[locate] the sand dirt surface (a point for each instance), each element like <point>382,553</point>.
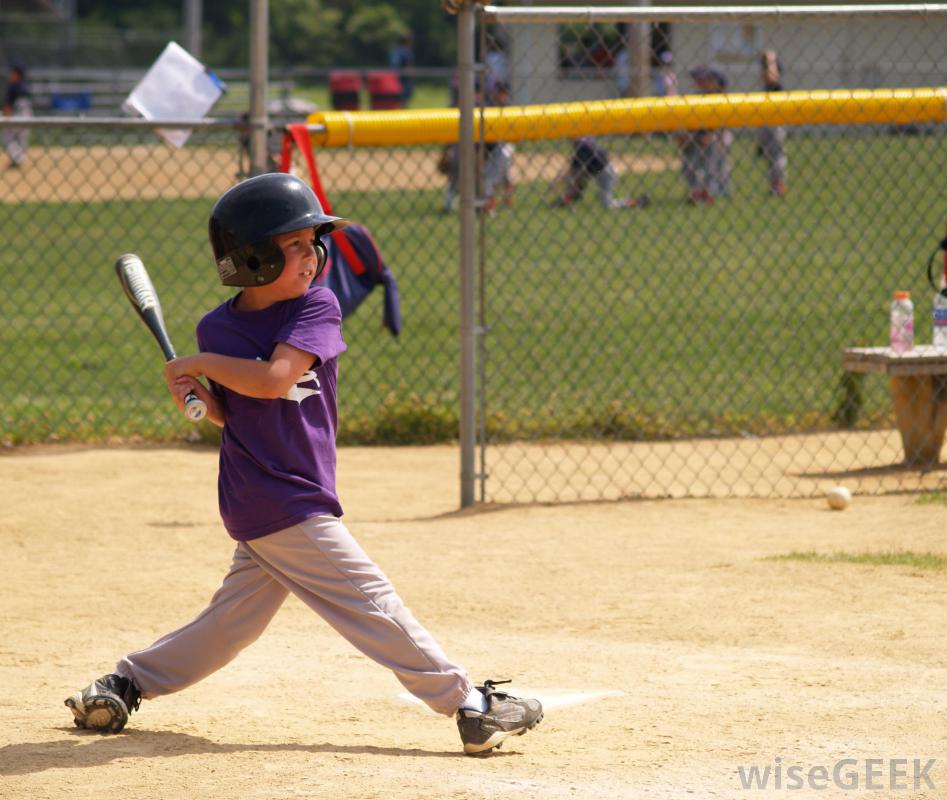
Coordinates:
<point>696,655</point>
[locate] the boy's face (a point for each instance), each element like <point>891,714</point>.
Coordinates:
<point>299,252</point>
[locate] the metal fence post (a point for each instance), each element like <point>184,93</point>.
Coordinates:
<point>193,14</point>
<point>468,214</point>
<point>640,47</point>
<point>259,75</point>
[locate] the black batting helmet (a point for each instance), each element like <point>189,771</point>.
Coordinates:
<point>247,216</point>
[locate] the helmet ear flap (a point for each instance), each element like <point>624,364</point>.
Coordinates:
<point>251,265</point>
<point>322,256</point>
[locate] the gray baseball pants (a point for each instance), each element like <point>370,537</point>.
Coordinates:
<point>16,140</point>
<point>706,163</point>
<point>772,141</point>
<point>321,563</point>
<point>578,178</point>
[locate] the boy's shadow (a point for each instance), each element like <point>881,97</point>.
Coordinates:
<point>79,749</point>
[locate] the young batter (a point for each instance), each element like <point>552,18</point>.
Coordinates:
<point>270,355</point>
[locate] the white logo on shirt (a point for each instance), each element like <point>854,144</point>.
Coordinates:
<point>299,392</point>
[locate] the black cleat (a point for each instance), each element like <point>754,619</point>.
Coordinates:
<point>104,705</point>
<point>505,716</point>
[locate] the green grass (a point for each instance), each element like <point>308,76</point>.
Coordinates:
<point>697,321</point>
<point>932,499</point>
<point>669,322</point>
<point>900,558</point>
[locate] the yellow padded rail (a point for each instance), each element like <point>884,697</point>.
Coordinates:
<point>647,115</point>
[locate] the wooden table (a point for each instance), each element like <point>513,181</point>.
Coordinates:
<point>918,392</point>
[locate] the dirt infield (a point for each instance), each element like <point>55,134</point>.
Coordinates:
<point>867,462</point>
<point>147,172</point>
<point>707,658</point>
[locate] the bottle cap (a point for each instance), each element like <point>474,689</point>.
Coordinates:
<point>902,295</point>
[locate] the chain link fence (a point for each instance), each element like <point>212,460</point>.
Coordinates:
<point>79,366</point>
<point>667,313</point>
<point>660,314</point>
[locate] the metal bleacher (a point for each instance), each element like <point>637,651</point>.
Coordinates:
<point>59,91</point>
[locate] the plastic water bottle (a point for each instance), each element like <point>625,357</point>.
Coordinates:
<point>940,321</point>
<point>902,322</point>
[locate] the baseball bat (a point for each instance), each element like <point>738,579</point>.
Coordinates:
<point>144,299</point>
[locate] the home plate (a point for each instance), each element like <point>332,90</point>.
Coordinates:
<point>550,698</point>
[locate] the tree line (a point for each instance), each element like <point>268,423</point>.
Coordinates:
<point>303,33</point>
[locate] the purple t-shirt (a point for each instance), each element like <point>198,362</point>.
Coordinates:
<point>277,457</point>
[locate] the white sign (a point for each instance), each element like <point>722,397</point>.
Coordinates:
<point>177,86</point>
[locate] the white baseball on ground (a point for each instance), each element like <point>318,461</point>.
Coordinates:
<point>838,498</point>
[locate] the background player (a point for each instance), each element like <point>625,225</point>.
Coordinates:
<point>772,140</point>
<point>498,169</point>
<point>705,153</point>
<point>17,102</point>
<point>270,355</point>
<point>589,160</point>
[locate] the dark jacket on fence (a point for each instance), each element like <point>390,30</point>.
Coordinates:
<point>354,268</point>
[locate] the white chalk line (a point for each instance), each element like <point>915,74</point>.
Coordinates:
<point>550,698</point>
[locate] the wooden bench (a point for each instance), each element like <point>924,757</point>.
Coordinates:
<point>918,393</point>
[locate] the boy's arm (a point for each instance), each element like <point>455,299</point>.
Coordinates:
<point>266,380</point>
